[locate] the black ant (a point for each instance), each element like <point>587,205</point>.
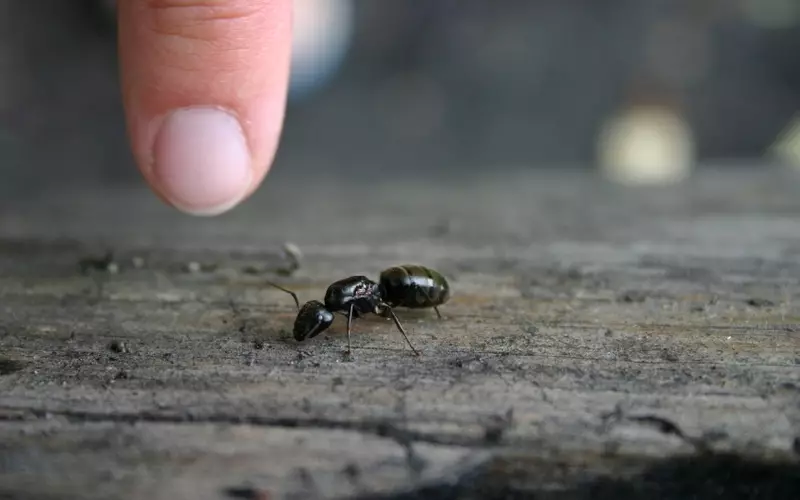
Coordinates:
<point>410,286</point>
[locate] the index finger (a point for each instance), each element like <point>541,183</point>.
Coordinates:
<point>204,86</point>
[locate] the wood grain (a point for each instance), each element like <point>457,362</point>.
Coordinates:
<point>594,332</point>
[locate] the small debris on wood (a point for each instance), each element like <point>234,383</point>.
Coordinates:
<point>336,382</point>
<point>760,302</point>
<point>105,263</point>
<point>248,493</point>
<point>474,364</point>
<point>258,344</point>
<point>293,255</point>
<point>9,366</point>
<point>633,297</point>
<point>122,375</point>
<point>138,262</point>
<point>119,346</point>
<point>530,329</point>
<point>253,270</point>
<point>669,355</point>
<point>193,267</point>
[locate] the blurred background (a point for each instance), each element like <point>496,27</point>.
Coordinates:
<point>640,90</point>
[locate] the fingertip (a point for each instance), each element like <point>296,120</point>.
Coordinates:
<point>202,161</point>
<point>204,89</point>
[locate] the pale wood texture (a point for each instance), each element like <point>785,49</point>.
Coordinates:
<point>582,313</point>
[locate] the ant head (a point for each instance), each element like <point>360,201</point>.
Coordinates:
<point>312,320</point>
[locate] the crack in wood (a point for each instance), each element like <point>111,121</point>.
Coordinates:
<point>381,428</point>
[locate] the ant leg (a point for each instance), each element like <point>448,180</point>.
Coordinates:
<point>294,295</point>
<point>435,308</point>
<point>349,322</point>
<point>399,327</point>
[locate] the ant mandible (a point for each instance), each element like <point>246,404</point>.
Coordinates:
<point>410,286</point>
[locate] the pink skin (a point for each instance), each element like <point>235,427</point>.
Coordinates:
<point>204,85</point>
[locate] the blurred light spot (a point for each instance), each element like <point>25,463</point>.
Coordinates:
<point>787,145</point>
<point>772,14</point>
<point>646,145</point>
<point>678,52</point>
<point>412,106</point>
<point>322,33</point>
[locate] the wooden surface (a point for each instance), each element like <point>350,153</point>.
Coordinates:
<point>600,343</point>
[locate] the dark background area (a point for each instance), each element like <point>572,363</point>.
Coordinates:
<point>445,86</point>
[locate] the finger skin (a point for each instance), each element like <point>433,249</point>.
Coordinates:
<point>228,54</point>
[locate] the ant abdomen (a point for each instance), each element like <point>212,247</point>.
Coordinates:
<point>414,287</point>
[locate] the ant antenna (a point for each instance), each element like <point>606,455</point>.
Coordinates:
<point>294,295</point>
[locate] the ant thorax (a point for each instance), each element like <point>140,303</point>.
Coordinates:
<point>357,291</point>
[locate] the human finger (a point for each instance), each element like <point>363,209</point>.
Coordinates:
<point>204,87</point>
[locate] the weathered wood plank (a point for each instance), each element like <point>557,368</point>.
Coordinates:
<point>574,303</point>
<point>206,461</point>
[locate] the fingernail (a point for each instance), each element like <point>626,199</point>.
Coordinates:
<point>201,161</point>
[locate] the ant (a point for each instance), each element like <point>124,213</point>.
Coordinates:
<point>410,286</point>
